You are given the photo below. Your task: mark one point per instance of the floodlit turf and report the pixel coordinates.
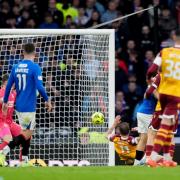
(90, 173)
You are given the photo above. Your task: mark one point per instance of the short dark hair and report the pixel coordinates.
(29, 48)
(124, 128)
(5, 77)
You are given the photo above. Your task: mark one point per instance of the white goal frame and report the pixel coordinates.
(110, 32)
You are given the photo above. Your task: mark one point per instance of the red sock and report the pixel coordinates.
(167, 143)
(149, 149)
(161, 137)
(3, 144)
(171, 150)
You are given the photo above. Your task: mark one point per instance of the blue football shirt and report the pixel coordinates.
(27, 77)
(148, 105)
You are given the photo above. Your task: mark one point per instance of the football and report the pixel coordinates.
(97, 118)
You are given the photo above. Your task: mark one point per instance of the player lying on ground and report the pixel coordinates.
(144, 117)
(169, 95)
(125, 145)
(10, 132)
(27, 77)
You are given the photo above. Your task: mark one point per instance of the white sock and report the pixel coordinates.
(25, 158)
(6, 150)
(167, 156)
(154, 155)
(143, 159)
(136, 162)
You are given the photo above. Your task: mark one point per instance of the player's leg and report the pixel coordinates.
(6, 137)
(172, 147)
(153, 128)
(143, 124)
(150, 142)
(164, 135)
(27, 122)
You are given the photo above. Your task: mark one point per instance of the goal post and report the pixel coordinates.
(78, 67)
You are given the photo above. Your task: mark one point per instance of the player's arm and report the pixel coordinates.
(7, 91)
(1, 99)
(155, 66)
(9, 86)
(111, 129)
(153, 88)
(40, 87)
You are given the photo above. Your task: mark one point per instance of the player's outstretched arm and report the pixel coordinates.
(111, 129)
(153, 69)
(153, 88)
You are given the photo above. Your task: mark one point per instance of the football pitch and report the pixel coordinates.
(90, 173)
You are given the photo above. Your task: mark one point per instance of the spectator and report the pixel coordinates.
(68, 22)
(4, 14)
(151, 12)
(132, 79)
(166, 23)
(57, 15)
(130, 47)
(76, 3)
(137, 20)
(111, 13)
(31, 24)
(95, 19)
(169, 42)
(93, 5)
(82, 19)
(149, 58)
(48, 22)
(132, 96)
(133, 63)
(22, 20)
(118, 108)
(146, 42)
(120, 97)
(120, 74)
(67, 10)
(11, 22)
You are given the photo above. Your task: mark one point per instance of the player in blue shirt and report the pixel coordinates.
(27, 77)
(144, 116)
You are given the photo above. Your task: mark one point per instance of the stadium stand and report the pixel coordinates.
(134, 41)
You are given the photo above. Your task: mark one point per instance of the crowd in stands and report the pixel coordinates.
(134, 36)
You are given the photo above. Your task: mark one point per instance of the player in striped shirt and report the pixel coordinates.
(125, 145)
(27, 77)
(168, 61)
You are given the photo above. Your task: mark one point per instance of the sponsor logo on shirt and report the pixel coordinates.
(40, 78)
(23, 65)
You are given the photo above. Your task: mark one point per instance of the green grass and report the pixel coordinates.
(90, 173)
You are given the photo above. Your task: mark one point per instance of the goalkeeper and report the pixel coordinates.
(10, 132)
(27, 77)
(125, 145)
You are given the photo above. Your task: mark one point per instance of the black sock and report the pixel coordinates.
(25, 147)
(16, 141)
(139, 155)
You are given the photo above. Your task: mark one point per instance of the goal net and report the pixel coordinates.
(78, 74)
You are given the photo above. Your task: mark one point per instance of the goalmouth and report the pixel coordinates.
(78, 68)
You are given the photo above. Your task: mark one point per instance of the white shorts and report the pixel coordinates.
(27, 120)
(144, 121)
